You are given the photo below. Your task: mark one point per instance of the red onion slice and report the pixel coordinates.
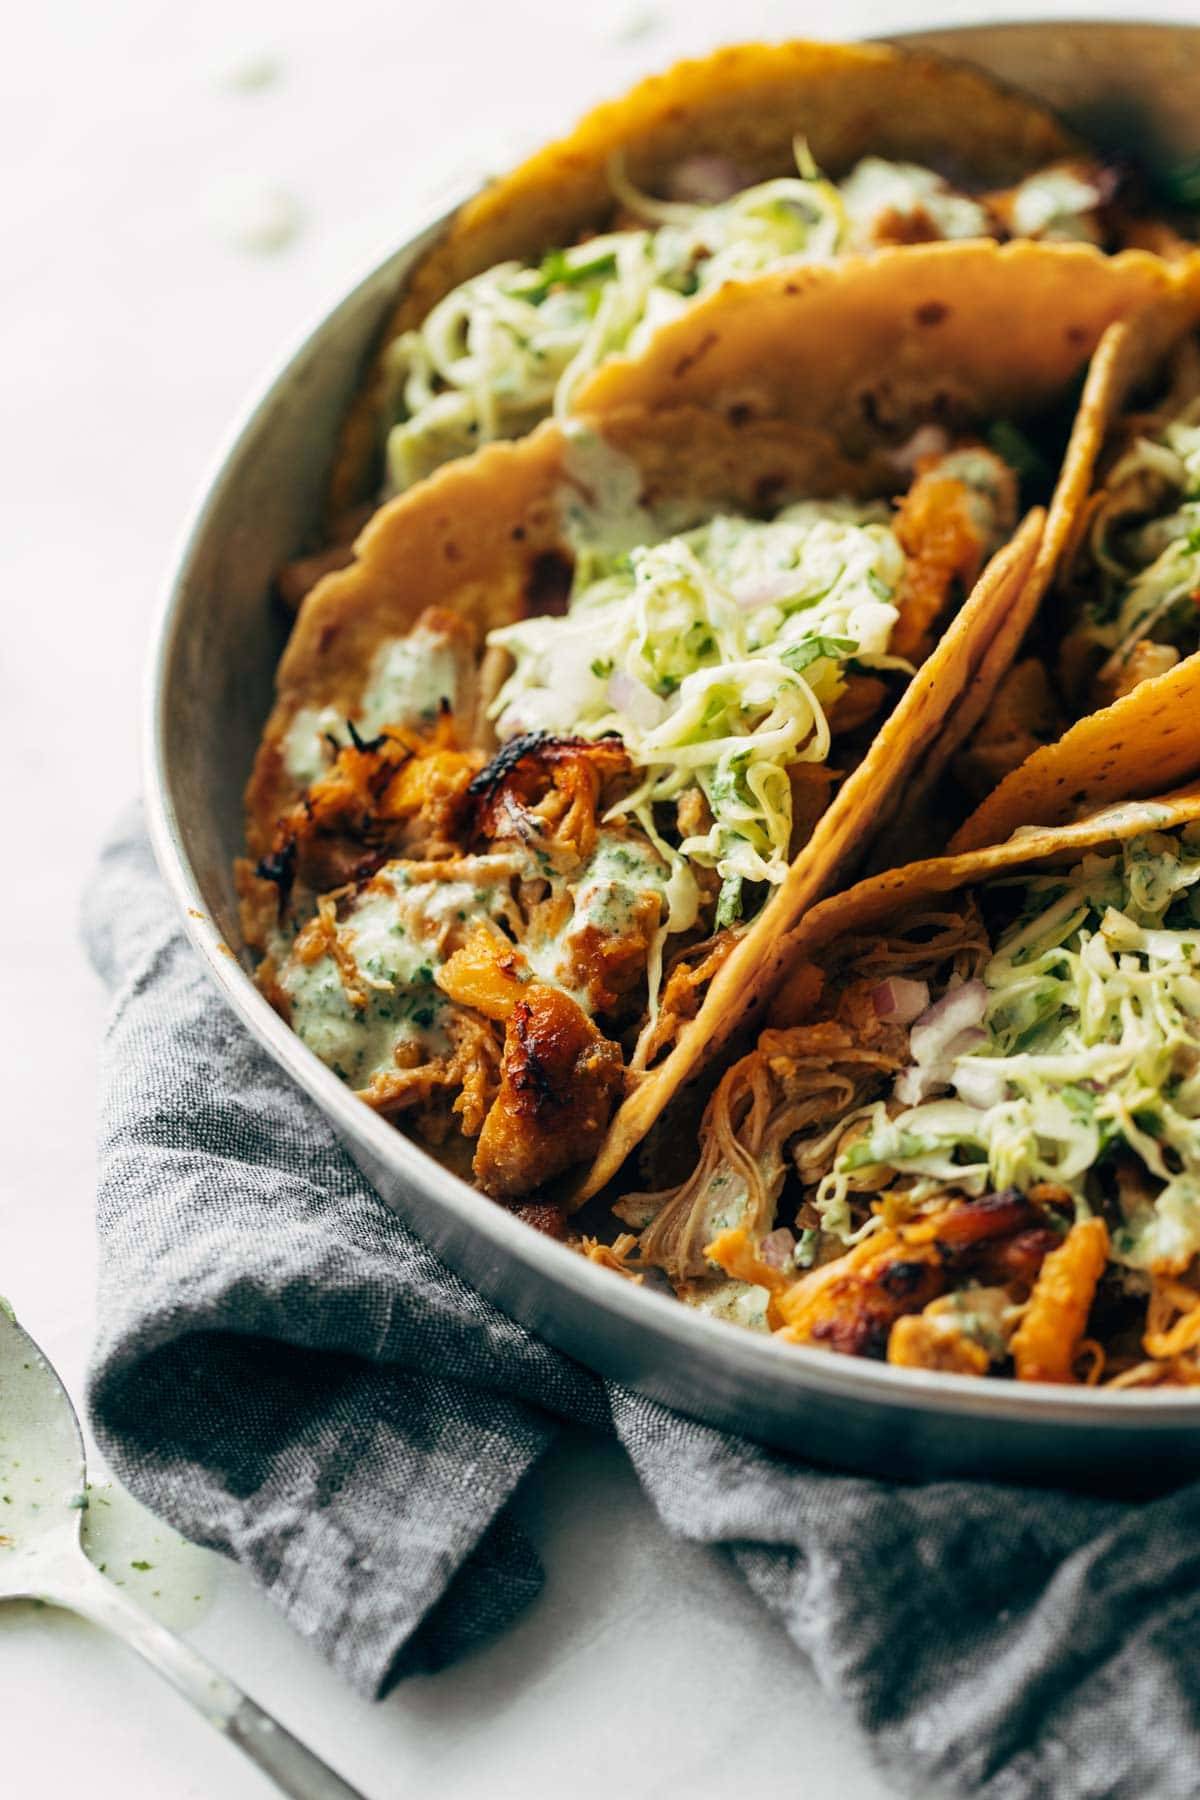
(947, 1030)
(899, 1000)
(958, 1010)
(777, 1248)
(926, 440)
(705, 179)
(635, 702)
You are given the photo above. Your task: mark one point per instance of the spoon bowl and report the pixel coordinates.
(43, 1472)
(43, 1493)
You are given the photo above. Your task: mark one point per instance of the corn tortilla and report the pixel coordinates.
(747, 102)
(872, 902)
(1150, 736)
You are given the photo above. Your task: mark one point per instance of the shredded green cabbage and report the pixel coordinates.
(716, 656)
(511, 345)
(1151, 572)
(1093, 1036)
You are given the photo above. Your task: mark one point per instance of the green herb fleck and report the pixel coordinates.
(800, 656)
(729, 904)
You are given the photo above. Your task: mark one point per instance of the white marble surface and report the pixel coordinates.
(133, 328)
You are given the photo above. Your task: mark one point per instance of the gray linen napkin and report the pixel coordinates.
(289, 1376)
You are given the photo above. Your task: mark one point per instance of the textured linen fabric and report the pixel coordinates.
(289, 1376)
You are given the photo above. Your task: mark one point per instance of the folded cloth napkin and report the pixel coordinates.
(288, 1375)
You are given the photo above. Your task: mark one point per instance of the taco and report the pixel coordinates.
(758, 157)
(1104, 699)
(969, 1138)
(595, 716)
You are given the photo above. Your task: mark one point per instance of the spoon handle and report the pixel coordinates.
(295, 1769)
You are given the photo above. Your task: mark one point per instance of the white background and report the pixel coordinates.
(132, 330)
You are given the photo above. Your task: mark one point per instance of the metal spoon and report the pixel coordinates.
(43, 1477)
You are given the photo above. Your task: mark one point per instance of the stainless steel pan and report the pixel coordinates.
(214, 657)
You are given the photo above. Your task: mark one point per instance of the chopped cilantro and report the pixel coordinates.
(729, 903)
(800, 656)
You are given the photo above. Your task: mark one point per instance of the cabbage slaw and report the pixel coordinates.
(716, 655)
(1150, 571)
(512, 344)
(1091, 1039)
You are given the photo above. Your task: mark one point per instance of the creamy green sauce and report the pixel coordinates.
(599, 504)
(737, 1302)
(398, 941)
(45, 1499)
(876, 188)
(400, 931)
(607, 895)
(1056, 205)
(408, 681)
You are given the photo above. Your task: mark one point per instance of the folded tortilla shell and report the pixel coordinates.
(872, 903)
(991, 330)
(842, 371)
(744, 982)
(1145, 740)
(1149, 738)
(486, 538)
(747, 102)
(1067, 509)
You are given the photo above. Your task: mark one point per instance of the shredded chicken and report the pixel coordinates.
(1144, 661)
(939, 529)
(399, 795)
(464, 1083)
(773, 1112)
(615, 1256)
(691, 971)
(548, 790)
(792, 1084)
(851, 1304)
(559, 1079)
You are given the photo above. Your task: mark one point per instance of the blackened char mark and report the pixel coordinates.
(484, 785)
(279, 866)
(367, 745)
(548, 584)
(527, 743)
